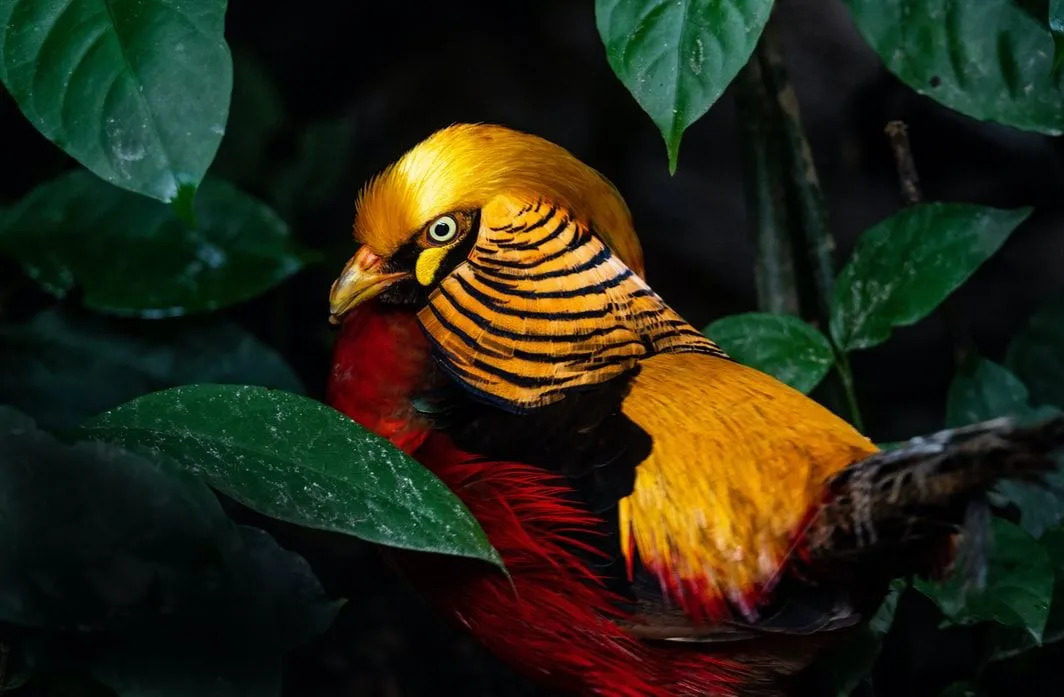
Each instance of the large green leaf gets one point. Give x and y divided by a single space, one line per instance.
292 458
1018 590
63 367
136 90
904 266
1037 354
677 56
133 256
783 346
984 390
988 59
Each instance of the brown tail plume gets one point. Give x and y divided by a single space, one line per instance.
897 511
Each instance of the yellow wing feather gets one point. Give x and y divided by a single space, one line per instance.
739 461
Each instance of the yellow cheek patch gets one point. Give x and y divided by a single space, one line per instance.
428 263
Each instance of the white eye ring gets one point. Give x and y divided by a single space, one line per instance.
443 229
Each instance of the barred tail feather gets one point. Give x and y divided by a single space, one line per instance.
899 508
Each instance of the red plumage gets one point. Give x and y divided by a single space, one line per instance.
553 617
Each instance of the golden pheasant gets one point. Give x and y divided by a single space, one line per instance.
674 523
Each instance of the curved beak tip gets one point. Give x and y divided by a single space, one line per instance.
360 280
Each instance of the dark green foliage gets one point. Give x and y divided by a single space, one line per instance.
136 90
66 233
122 573
297 460
131 562
676 58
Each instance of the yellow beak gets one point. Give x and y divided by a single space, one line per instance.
360 280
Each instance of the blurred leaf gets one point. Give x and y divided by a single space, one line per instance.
164 596
132 256
322 159
988 59
284 599
1056 28
904 266
136 90
297 460
984 390
783 346
288 588
1018 589
255 117
1036 354
962 689
62 368
121 538
677 56
1007 642
842 668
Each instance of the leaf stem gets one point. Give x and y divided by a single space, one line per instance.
765 186
806 216
842 365
811 213
898 132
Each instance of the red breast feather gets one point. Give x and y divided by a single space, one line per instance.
552 618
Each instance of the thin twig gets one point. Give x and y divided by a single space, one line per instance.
909 180
809 214
766 196
810 209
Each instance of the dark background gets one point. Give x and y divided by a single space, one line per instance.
372 79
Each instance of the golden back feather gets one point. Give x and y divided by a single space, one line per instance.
464 166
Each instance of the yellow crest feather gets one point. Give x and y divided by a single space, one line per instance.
463 167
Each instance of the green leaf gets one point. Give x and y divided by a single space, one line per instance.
904 266
283 599
984 390
287 589
136 90
1056 28
783 346
988 59
102 549
677 56
297 460
1036 354
1008 642
62 368
116 568
132 256
1018 589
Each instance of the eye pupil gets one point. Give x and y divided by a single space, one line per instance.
443 230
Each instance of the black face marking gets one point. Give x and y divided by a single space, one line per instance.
408 291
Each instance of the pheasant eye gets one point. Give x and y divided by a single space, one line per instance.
443 229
